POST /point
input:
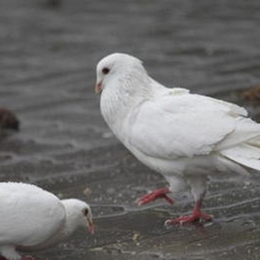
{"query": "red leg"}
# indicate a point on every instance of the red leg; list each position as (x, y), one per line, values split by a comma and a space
(156, 194)
(196, 216)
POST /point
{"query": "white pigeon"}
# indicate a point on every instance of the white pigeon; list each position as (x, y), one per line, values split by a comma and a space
(32, 218)
(183, 136)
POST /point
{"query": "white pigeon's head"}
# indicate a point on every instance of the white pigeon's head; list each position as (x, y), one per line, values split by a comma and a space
(116, 65)
(78, 213)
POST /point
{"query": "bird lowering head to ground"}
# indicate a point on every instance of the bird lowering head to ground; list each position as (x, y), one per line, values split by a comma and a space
(183, 136)
(33, 219)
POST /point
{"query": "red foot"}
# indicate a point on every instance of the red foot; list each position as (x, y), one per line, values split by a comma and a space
(196, 216)
(156, 194)
(188, 219)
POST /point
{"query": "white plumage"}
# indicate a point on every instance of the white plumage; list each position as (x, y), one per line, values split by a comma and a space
(32, 218)
(184, 136)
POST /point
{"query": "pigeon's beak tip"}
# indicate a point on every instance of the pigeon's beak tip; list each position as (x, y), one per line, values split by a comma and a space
(98, 88)
(91, 226)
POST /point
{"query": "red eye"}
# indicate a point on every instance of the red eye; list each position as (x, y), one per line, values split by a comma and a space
(105, 70)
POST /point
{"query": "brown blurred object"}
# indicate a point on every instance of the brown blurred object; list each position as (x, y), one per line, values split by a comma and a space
(253, 93)
(8, 119)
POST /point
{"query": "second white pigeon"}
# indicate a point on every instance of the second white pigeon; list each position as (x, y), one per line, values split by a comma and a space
(32, 219)
(183, 136)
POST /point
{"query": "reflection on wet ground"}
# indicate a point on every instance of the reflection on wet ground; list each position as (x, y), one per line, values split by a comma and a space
(47, 74)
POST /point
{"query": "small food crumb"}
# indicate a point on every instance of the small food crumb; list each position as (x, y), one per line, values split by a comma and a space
(136, 237)
(97, 249)
(87, 191)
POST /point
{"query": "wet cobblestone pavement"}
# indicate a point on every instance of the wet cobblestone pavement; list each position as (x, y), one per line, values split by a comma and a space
(47, 75)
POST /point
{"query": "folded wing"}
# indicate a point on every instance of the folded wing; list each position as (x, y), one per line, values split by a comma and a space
(186, 125)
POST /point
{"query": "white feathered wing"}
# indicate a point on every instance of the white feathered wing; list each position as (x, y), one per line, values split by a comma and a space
(179, 124)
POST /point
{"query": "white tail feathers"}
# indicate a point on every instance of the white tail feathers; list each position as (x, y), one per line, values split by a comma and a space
(247, 154)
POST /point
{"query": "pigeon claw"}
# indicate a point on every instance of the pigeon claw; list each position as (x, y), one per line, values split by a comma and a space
(154, 195)
(198, 216)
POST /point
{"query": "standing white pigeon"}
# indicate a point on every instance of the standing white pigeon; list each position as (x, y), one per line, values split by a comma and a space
(32, 218)
(181, 135)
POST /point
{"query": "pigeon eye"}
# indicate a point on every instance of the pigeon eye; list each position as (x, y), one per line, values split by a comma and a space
(85, 212)
(105, 70)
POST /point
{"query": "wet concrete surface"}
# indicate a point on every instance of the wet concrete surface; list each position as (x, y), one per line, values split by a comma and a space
(47, 74)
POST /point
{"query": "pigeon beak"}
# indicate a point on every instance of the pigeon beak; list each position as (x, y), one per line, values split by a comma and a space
(98, 88)
(90, 225)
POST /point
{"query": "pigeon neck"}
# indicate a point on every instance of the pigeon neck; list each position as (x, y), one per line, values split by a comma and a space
(123, 95)
(72, 221)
